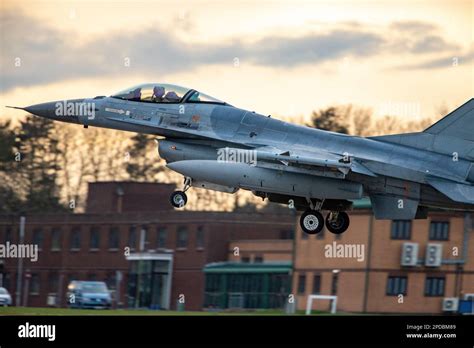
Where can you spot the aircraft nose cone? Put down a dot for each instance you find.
(46, 110)
(64, 110)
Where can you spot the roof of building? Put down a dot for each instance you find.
(247, 267)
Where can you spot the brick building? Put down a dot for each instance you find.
(150, 254)
(425, 261)
(167, 248)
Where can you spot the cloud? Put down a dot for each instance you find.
(443, 62)
(413, 26)
(418, 38)
(316, 48)
(49, 55)
(432, 43)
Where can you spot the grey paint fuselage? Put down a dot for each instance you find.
(385, 168)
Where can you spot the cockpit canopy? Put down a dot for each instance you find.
(164, 93)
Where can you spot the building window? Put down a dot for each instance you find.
(34, 284)
(53, 281)
(200, 238)
(146, 242)
(113, 238)
(245, 259)
(182, 240)
(132, 237)
(37, 238)
(439, 230)
(162, 237)
(94, 241)
(317, 284)
(434, 286)
(75, 241)
(92, 277)
(401, 229)
(56, 238)
(287, 234)
(301, 284)
(213, 282)
(396, 285)
(258, 259)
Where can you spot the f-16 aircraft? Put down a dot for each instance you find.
(220, 147)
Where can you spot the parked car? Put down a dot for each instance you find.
(5, 298)
(88, 294)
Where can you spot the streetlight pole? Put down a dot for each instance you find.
(20, 263)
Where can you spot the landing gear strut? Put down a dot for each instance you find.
(179, 199)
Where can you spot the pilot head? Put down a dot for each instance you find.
(171, 96)
(137, 93)
(158, 92)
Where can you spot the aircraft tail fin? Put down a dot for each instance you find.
(453, 133)
(458, 123)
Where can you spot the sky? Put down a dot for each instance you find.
(274, 57)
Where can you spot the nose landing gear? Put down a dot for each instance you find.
(178, 199)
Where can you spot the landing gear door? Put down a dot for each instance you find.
(397, 199)
(394, 208)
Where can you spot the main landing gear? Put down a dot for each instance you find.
(337, 222)
(312, 221)
(179, 199)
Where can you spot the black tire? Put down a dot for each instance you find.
(340, 225)
(311, 222)
(178, 199)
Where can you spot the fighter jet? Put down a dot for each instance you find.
(220, 147)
